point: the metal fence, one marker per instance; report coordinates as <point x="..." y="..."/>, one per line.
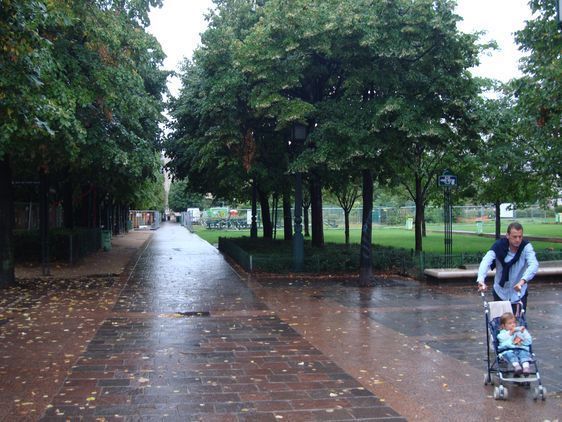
<point x="402" y="216"/>
<point x="145" y="219"/>
<point x="26" y="216"/>
<point x="65" y="245"/>
<point x="186" y="220"/>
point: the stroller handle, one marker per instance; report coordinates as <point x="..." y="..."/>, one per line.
<point x="520" y="310"/>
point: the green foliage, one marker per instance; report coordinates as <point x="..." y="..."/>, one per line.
<point x="81" y="90"/>
<point x="539" y="99"/>
<point x="503" y="170"/>
<point x="180" y="198"/>
<point x="150" y="194"/>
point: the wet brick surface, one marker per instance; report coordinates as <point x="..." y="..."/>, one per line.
<point x="185" y="339"/>
<point x="170" y="352"/>
<point x="451" y="319"/>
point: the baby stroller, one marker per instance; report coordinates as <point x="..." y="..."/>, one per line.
<point x="496" y="366"/>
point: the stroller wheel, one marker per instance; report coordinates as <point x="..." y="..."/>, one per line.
<point x="500" y="393"/>
<point x="487" y="379"/>
<point x="540" y="391"/>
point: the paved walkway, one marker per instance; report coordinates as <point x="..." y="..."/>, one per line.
<point x="180" y="336"/>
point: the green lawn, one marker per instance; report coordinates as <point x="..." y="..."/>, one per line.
<point x="530" y="228"/>
<point x="401" y="238"/>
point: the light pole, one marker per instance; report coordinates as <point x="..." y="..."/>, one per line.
<point x="298" y="135"/>
<point x="559" y="13"/>
<point x="448" y="181"/>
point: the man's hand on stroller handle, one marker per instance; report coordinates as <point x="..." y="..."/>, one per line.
<point x="482" y="286"/>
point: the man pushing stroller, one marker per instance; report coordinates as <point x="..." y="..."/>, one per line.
<point x="516" y="264"/>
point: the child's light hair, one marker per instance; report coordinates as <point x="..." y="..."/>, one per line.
<point x="508" y="316"/>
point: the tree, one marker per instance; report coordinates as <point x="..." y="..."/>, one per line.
<point x="215" y="138"/>
<point x="180" y="197"/>
<point x="504" y="165"/>
<point x="29" y="107"/>
<point x="539" y="90"/>
<point x="345" y="187"/>
<point x="81" y="98"/>
<point x="430" y="113"/>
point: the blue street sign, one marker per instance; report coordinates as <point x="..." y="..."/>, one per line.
<point x="447" y="180"/>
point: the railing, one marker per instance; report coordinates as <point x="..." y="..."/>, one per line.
<point x="186" y="221"/>
<point x="231" y="249"/>
<point x="227" y="224"/>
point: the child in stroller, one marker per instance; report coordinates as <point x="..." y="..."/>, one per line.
<point x="501" y="365"/>
<point x="514" y="344"/>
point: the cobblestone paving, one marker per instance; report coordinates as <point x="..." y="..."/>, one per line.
<point x="420" y="346"/>
<point x="450" y="318"/>
<point x="466" y="329"/>
<point x="188" y="341"/>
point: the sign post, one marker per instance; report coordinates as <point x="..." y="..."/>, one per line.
<point x="448" y="181"/>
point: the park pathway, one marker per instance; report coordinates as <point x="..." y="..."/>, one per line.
<point x="188" y="340"/>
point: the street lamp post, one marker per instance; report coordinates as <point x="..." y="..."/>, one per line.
<point x="298" y="135"/>
<point x="448" y="181"/>
<point x="559" y="13"/>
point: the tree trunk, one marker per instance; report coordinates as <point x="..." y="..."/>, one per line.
<point x="418" y="222"/>
<point x="127" y="215"/>
<point x="106" y="212"/>
<point x="124" y="214"/>
<point x="366" y="257"/>
<point x="120" y="219"/>
<point x="346" y="223"/>
<point x="424" y="229"/>
<point x="113" y="219"/>
<point x="254" y="224"/>
<point x="305" y="220"/>
<point x="317" y="217"/>
<point x="287" y="217"/>
<point x="90" y="208"/>
<point x="498" y="220"/>
<point x="84" y="206"/>
<point x="95" y="208"/>
<point x="44" y="221"/>
<point x="275" y="213"/>
<point x="265" y="214"/>
<point x="7" y="277"/>
<point x="67" y="208"/>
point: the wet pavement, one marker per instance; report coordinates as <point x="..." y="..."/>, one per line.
<point x="183" y="336"/>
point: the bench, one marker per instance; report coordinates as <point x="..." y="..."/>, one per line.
<point x="546" y="269"/>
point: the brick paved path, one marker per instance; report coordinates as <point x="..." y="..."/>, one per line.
<point x="188" y="340"/>
<point x="421" y="347"/>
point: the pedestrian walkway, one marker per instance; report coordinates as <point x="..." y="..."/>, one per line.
<point x="181" y="336"/>
<point x="188" y="340"/>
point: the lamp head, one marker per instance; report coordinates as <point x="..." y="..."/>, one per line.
<point x="298" y="132"/>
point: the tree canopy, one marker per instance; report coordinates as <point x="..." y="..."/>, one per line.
<point x="81" y="93"/>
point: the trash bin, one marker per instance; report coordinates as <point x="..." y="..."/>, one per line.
<point x="409" y="223"/>
<point x="106" y="240"/>
<point x="479" y="227"/>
